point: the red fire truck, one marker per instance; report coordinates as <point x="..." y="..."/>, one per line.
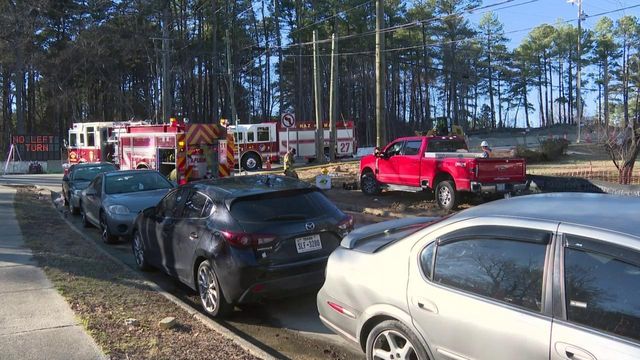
<point x="194" y="151"/>
<point x="258" y="143"/>
<point x="95" y="141"/>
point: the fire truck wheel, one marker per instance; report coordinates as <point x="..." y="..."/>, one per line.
<point x="251" y="162"/>
<point x="105" y="234"/>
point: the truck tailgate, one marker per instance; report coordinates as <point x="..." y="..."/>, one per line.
<point x="501" y="170"/>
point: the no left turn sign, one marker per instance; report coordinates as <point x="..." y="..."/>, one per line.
<point x="288" y="120"/>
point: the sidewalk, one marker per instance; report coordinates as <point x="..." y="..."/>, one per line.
<point x="35" y="321"/>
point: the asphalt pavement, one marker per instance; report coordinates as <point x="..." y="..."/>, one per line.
<point x="35" y="321"/>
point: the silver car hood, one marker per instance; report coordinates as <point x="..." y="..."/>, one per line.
<point x="136" y="201"/>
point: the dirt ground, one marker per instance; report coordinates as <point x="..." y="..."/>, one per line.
<point x="582" y="160"/>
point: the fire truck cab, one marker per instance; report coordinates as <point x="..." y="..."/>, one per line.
<point x="182" y="152"/>
<point x="257" y="143"/>
<point x="88" y="142"/>
<point x="268" y="141"/>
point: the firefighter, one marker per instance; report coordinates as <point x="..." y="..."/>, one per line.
<point x="288" y="163"/>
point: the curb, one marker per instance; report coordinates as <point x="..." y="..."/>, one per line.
<point x="210" y="323"/>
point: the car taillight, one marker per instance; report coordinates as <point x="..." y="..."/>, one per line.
<point x="473" y="170"/>
<point x="245" y="240"/>
<point x="346" y="225"/>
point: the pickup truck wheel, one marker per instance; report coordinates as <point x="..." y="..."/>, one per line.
<point x="446" y="195"/>
<point x="368" y="184"/>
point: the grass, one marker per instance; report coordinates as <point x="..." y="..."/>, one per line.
<point x="103" y="294"/>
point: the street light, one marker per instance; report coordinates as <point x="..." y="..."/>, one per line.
<point x="579" y="70"/>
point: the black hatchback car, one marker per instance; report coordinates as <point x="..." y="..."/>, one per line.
<point x="241" y="239"/>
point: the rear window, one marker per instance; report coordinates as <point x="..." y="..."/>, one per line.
<point x="445" y="145"/>
<point x="282" y="206"/>
<point x="89" y="172"/>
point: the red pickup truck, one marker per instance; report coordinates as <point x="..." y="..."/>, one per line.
<point x="442" y="164"/>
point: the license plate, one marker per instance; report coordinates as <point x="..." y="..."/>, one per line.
<point x="308" y="243"/>
<point x="500" y="187"/>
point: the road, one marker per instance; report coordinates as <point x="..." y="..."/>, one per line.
<point x="263" y="324"/>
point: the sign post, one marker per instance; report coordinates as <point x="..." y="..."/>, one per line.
<point x="288" y="121"/>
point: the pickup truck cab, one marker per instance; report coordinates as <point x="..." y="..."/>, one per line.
<point x="442" y="164"/>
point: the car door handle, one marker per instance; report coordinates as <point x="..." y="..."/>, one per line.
<point x="572" y="352"/>
<point x="426" y="305"/>
<point x="193" y="236"/>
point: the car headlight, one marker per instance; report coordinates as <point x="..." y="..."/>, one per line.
<point x="118" y="209"/>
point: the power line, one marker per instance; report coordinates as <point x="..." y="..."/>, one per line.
<point x="415" y="23"/>
<point x="443" y="43"/>
<point x="331" y="17"/>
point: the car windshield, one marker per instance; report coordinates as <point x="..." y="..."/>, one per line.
<point x="133" y="182"/>
<point x="445" y="145"/>
<point x="89" y="172"/>
<point x="282" y="206"/>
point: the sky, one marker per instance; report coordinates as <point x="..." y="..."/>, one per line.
<point x="529" y="15"/>
<point x="539" y="12"/>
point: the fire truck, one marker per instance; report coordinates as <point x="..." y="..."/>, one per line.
<point x="95" y="141"/>
<point x="194" y="151"/>
<point x="268" y="141"/>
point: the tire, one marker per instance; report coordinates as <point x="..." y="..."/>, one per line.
<point x="394" y="339"/>
<point x="137" y="246"/>
<point x="72" y="209"/>
<point x="83" y="215"/>
<point x="446" y="195"/>
<point x="105" y="233"/>
<point x="369" y="185"/>
<point x="211" y="297"/>
<point x="251" y="162"/>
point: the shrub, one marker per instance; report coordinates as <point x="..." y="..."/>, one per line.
<point x="531" y="156"/>
<point x="552" y="149"/>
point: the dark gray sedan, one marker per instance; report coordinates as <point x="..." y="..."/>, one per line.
<point x="113" y="200"/>
<point x="79" y="177"/>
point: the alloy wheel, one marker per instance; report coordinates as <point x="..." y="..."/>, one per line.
<point x="138" y="250"/>
<point x="444" y="195"/>
<point x="208" y="286"/>
<point x="104" y="229"/>
<point x="392" y="345"/>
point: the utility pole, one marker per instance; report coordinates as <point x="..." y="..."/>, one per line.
<point x="381" y="125"/>
<point x="579" y="69"/>
<point x="232" y="102"/>
<point x="318" y="97"/>
<point x="234" y="115"/>
<point x="166" y="89"/>
<point x="333" y="97"/>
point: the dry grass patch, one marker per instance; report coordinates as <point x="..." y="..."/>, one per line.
<point x="103" y="294"/>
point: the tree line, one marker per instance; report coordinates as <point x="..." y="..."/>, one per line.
<point x="65" y="61"/>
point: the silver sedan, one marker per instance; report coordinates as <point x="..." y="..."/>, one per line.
<point x="553" y="276"/>
<point x="113" y="200"/>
